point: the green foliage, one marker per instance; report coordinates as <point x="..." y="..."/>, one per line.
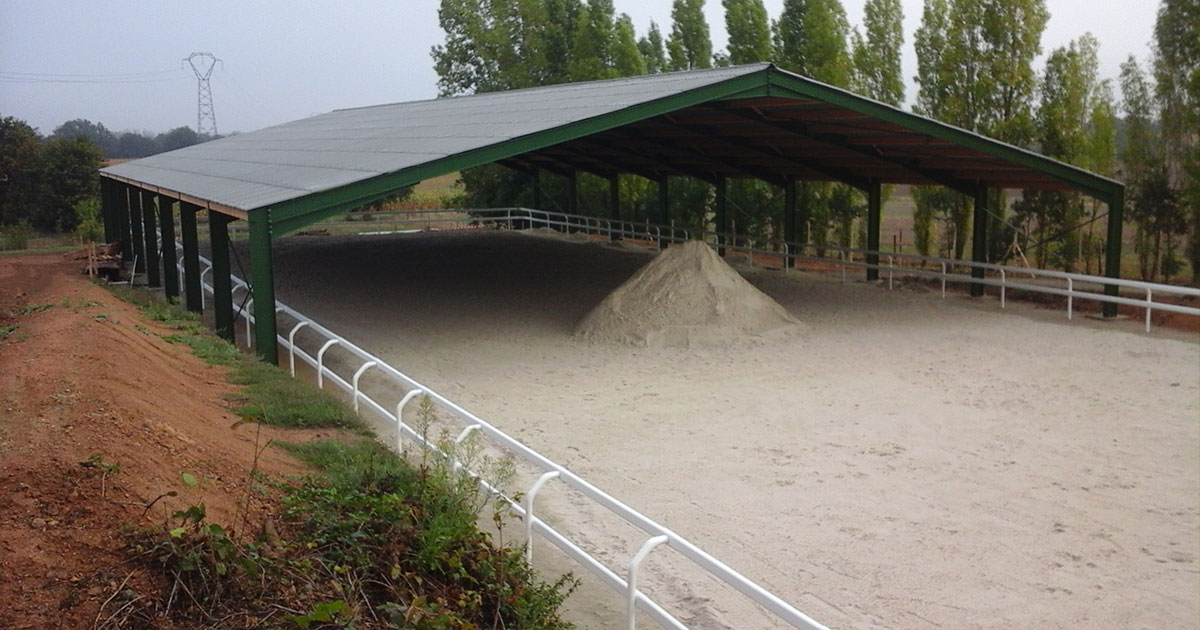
<point x="592" y="49"/>
<point x="876" y="59"/>
<point x="71" y="175"/>
<point x="271" y="396"/>
<point x="88" y="224"/>
<point x="810" y="39"/>
<point x="16" y="236"/>
<point x="20" y="171"/>
<point x="653" y="51"/>
<point x="689" y="47"/>
<point x="627" y="57"/>
<point x="749" y="31"/>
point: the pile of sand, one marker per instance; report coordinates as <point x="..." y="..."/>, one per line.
<point x="686" y="297"/>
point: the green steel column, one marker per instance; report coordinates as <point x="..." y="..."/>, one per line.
<point x="153" y="279"/>
<point x="664" y="207"/>
<point x="121" y="199"/>
<point x="789" y="221"/>
<point x="191" y="257"/>
<point x="1112" y="248"/>
<point x="263" y="281"/>
<point x="979" y="238"/>
<point x="170" y="263"/>
<point x="536" y="182"/>
<point x="722" y="218"/>
<point x="135" y="228"/>
<point x="614" y="205"/>
<point x="874" y="203"/>
<point x="218" y="234"/>
<point x="803" y="211"/>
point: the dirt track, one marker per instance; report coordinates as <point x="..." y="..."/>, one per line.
<point x="909" y="463"/>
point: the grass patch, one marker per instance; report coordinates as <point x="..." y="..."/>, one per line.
<point x="33" y="308"/>
<point x="5" y="331"/>
<point x="271" y="396"/>
<point x="213" y="350"/>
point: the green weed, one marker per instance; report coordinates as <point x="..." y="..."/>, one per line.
<point x="271" y="396"/>
<point x="33" y="308"/>
<point x="5" y="331"/>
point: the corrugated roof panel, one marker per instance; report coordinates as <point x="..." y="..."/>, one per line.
<point x="291" y="160"/>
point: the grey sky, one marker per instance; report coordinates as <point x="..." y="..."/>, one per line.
<point x="119" y="62"/>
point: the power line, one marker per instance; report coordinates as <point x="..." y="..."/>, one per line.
<point x="202" y="64"/>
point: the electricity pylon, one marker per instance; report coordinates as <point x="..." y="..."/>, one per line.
<point x="204" y="102"/>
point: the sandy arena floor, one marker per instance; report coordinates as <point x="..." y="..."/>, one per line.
<point x="907" y="463"/>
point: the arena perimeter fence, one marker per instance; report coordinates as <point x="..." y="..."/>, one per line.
<point x="1073" y="286"/>
<point x="549" y="470"/>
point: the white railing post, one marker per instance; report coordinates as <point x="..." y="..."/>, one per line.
<point x="1003" y="289"/>
<point x="292" y="347"/>
<point x="891" y="267"/>
<point x="631" y="583"/>
<point x="357" y="375"/>
<point x="412" y="393"/>
<point x="1149" y="304"/>
<point x="1070" y="298"/>
<point x="943" y="280"/>
<point x="321" y="361"/>
<point x="528" y="505"/>
<point x="843" y="266"/>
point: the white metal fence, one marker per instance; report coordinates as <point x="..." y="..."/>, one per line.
<point x="548" y="471"/>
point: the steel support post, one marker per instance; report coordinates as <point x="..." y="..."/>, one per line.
<point x="789" y="222"/>
<point x="614" y="205"/>
<point x="722" y="218"/>
<point x="263" y="283"/>
<point x="166" y="224"/>
<point x="150" y="232"/>
<point x="803" y="211"/>
<point x="135" y="229"/>
<point x="874" y="205"/>
<point x="121" y="201"/>
<point x="191" y="257"/>
<point x="218" y="234"/>
<point x="1112" y="248"/>
<point x="979" y="238"/>
<point x="664" y="208"/>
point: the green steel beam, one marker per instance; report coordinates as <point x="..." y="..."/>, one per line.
<point x="789" y="221"/>
<point x="170" y="263"/>
<point x="722" y="214"/>
<point x="874" y="205"/>
<point x="150" y="232"/>
<point x="536" y="177"/>
<point x="218" y="234"/>
<point x="124" y="236"/>
<point x="263" y="285"/>
<point x="135" y="229"/>
<point x="803" y="211"/>
<point x="800" y="129"/>
<point x="786" y="84"/>
<point x="1112" y="248"/>
<point x="614" y="203"/>
<point x="191" y="257"/>
<point x="979" y="238"/>
<point x="664" y="206"/>
<point x="388" y="182"/>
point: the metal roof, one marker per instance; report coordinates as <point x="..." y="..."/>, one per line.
<point x="753" y="121"/>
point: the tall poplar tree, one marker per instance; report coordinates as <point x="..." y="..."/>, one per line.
<point x="592" y="49"/>
<point x="749" y="31"/>
<point x="689" y="46"/>
<point x="1177" y="72"/>
<point x="653" y="51"/>
<point x="627" y="58"/>
<point x="876" y="58"/>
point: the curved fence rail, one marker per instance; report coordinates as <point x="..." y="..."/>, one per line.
<point x="655" y="533"/>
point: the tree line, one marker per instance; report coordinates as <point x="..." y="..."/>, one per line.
<point x="52" y="184"/>
<point x="975" y="70"/>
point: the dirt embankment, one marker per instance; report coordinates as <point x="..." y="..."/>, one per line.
<point x="99" y="420"/>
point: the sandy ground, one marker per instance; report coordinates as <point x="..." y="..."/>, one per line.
<point x="908" y="463"/>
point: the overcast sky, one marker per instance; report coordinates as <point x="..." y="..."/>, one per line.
<point x="120" y="62"/>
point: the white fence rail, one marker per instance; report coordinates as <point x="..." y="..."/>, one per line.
<point x="656" y="534"/>
<point x="1073" y="286"/>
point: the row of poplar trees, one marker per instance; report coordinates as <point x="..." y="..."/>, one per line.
<point x="975" y="70"/>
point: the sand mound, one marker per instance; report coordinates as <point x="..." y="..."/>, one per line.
<point x="686" y="297"/>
